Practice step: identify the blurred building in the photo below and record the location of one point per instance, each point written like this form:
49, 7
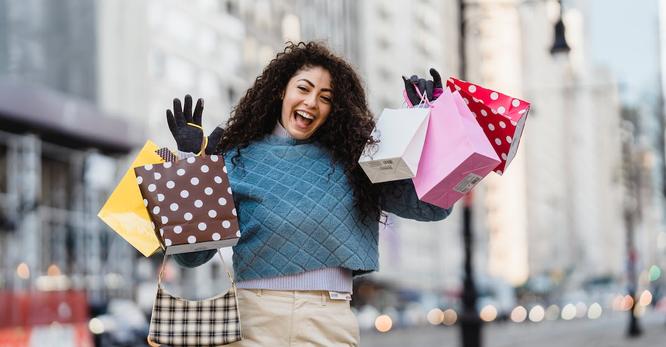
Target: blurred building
555, 213
58, 153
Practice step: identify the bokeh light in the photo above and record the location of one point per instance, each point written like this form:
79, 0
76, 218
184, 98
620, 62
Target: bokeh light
654, 273
569, 312
53, 270
594, 311
435, 316
519, 314
581, 310
627, 302
553, 312
23, 271
645, 298
488, 313
537, 314
383, 323
618, 303
96, 326
450, 317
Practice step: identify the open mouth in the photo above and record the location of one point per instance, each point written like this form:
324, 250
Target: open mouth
303, 119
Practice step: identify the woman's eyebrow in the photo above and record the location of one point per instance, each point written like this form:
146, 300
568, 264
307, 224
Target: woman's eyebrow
312, 85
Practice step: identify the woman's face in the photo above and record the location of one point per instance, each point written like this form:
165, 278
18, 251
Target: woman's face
307, 102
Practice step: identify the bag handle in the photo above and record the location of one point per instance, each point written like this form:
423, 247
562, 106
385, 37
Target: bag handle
204, 141
159, 278
424, 96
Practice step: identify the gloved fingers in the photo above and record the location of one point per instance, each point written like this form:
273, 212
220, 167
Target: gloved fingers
171, 122
198, 112
213, 140
178, 113
411, 93
436, 78
187, 110
430, 90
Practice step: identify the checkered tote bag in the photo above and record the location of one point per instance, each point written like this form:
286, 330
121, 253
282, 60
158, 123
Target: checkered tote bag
179, 322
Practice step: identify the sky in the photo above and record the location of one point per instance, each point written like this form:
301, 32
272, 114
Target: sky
623, 35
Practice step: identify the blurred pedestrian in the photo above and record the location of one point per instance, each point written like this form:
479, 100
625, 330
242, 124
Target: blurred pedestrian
309, 217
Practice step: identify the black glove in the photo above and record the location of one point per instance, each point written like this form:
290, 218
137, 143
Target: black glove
423, 85
188, 137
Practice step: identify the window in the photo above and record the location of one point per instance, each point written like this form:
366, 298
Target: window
55, 182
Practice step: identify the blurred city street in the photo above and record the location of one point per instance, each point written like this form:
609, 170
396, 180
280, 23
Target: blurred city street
605, 332
554, 250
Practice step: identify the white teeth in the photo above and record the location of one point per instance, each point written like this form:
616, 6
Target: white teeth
305, 115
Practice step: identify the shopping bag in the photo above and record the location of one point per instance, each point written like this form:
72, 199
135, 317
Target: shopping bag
124, 210
501, 117
456, 153
190, 203
175, 321
401, 133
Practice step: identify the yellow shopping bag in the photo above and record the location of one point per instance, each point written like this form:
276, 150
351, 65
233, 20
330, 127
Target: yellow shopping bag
125, 211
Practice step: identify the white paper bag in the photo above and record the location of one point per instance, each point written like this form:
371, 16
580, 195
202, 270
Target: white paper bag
401, 133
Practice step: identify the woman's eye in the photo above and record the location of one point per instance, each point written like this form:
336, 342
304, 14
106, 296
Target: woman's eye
303, 89
326, 99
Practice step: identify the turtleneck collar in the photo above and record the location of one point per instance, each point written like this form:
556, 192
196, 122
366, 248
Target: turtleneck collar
280, 131
280, 136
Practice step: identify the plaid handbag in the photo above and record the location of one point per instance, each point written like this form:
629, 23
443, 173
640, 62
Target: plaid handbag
179, 322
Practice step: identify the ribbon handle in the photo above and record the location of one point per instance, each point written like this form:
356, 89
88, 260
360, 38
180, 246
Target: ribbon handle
204, 142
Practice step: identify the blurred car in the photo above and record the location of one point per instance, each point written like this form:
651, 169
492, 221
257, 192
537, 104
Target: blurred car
123, 324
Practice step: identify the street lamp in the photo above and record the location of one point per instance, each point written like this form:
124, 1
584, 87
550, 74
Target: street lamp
470, 322
560, 43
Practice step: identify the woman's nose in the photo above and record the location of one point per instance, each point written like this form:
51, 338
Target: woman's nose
310, 100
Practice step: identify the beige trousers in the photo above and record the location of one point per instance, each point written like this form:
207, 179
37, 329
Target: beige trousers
275, 318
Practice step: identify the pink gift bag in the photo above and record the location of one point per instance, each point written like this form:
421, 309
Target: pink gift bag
501, 117
456, 154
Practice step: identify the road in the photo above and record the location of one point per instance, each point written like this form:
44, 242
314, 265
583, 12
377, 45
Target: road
608, 331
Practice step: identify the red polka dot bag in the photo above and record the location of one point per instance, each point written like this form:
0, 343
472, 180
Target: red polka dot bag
501, 117
190, 203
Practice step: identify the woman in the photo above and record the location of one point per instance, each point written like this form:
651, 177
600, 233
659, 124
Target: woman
308, 215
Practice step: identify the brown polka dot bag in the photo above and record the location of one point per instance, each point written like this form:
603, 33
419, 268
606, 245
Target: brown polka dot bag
190, 203
177, 321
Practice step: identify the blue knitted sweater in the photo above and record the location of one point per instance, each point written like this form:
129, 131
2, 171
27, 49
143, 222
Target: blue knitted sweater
296, 212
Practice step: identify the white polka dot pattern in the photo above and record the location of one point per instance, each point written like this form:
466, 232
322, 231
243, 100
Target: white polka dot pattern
498, 115
190, 202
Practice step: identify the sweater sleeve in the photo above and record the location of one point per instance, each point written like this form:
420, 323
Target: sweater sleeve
399, 198
194, 259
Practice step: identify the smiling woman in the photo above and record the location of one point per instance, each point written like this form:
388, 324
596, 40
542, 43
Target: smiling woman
306, 102
308, 215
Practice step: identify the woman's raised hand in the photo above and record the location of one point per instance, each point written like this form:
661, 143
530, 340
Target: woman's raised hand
186, 129
416, 85
185, 126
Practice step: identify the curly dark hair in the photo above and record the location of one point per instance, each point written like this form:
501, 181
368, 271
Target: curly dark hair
345, 133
